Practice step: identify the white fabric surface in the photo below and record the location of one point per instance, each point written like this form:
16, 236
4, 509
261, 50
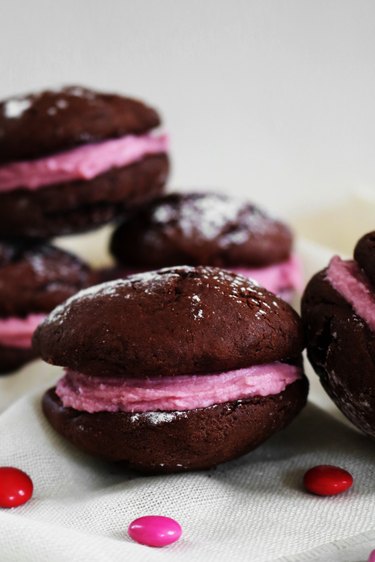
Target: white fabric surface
252, 509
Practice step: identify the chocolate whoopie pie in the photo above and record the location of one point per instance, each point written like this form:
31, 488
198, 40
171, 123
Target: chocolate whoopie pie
173, 370
338, 312
34, 278
73, 159
209, 229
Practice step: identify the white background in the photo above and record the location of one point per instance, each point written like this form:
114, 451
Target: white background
272, 99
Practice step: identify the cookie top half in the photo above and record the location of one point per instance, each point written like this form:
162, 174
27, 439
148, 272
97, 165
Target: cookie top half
200, 229
43, 123
355, 279
364, 255
181, 320
338, 312
36, 277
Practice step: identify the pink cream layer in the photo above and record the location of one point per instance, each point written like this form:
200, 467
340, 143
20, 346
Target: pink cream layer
350, 282
277, 278
82, 163
18, 332
182, 392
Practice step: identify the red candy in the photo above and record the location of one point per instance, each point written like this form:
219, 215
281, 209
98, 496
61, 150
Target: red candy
155, 530
327, 480
16, 487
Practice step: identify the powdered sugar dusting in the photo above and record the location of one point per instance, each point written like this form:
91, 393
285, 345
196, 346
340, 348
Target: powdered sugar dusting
60, 104
239, 289
80, 92
157, 418
208, 216
196, 309
15, 107
145, 282
109, 289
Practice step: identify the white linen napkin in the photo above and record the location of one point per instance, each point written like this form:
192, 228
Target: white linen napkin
252, 509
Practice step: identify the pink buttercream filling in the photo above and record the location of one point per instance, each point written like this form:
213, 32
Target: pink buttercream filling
182, 392
18, 332
277, 278
347, 279
82, 163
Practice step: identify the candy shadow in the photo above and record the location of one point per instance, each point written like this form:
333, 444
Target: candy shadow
314, 437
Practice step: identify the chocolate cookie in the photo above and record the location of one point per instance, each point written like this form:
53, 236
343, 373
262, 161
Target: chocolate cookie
34, 125
12, 358
199, 320
208, 229
34, 278
338, 312
183, 368
81, 205
72, 159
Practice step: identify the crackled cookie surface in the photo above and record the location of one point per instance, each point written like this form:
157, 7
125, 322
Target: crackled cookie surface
209, 229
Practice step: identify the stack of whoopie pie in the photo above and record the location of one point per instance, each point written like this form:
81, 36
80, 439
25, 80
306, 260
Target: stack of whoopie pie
70, 160
167, 370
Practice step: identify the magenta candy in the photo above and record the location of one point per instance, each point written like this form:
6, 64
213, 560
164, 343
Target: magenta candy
372, 556
155, 530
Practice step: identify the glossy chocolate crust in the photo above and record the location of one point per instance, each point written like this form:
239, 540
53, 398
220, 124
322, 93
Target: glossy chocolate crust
12, 358
81, 205
364, 254
44, 123
341, 348
168, 322
163, 442
200, 229
36, 276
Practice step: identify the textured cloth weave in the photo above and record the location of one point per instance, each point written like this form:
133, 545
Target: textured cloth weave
252, 509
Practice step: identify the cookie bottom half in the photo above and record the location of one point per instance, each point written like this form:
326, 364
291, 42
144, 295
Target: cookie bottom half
177, 441
78, 206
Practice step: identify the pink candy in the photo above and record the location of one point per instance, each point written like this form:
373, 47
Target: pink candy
155, 530
372, 556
